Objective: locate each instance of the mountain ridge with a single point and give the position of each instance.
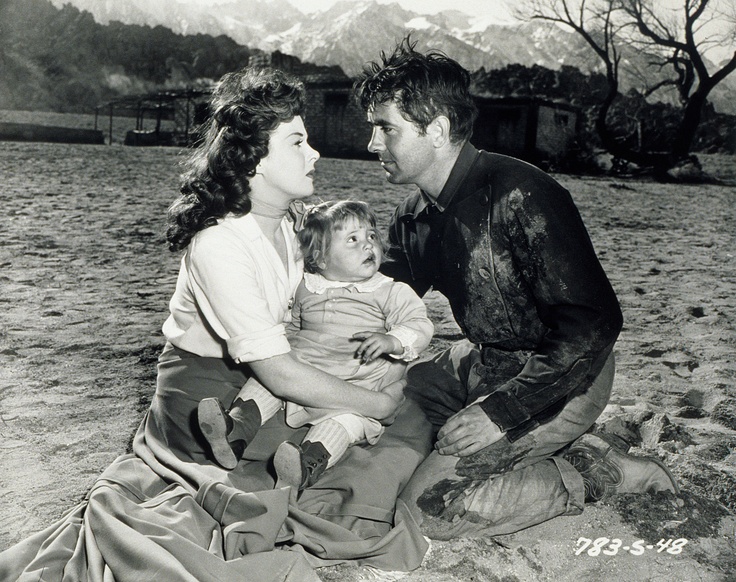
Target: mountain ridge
(353, 32)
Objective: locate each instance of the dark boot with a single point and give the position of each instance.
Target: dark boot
(606, 470)
(299, 467)
(228, 432)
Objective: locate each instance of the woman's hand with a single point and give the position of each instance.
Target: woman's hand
(395, 393)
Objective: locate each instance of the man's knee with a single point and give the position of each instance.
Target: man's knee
(425, 481)
(448, 506)
(440, 385)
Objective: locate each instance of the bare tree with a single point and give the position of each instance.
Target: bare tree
(674, 42)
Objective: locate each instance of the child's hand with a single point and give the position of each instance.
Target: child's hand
(375, 344)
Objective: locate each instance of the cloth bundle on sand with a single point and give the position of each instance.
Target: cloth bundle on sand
(162, 514)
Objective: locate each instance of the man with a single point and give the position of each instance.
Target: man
(504, 242)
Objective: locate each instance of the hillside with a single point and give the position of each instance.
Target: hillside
(352, 32)
(63, 60)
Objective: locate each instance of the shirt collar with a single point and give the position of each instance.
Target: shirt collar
(459, 172)
(316, 283)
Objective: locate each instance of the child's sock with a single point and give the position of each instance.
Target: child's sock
(333, 437)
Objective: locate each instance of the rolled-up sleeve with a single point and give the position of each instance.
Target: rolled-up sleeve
(259, 346)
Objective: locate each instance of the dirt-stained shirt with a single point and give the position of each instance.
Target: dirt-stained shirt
(233, 292)
(506, 245)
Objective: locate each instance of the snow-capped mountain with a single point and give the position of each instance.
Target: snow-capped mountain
(348, 34)
(245, 21)
(353, 32)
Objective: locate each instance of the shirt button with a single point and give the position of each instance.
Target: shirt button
(485, 273)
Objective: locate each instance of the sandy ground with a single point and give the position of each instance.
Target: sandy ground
(86, 278)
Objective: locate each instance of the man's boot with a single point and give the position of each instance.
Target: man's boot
(228, 432)
(300, 466)
(607, 470)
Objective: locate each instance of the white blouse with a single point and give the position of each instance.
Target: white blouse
(233, 293)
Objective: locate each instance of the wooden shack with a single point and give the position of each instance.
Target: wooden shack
(337, 127)
(534, 130)
(166, 118)
(541, 132)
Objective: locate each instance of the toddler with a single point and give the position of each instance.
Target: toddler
(348, 320)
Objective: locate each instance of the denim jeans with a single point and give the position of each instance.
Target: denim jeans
(507, 486)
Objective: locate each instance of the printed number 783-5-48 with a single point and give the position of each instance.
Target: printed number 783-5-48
(611, 547)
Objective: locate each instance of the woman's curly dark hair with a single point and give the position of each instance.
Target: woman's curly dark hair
(245, 106)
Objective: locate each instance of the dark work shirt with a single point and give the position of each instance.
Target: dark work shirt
(506, 245)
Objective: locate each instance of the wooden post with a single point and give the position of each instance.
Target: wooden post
(110, 123)
(186, 125)
(158, 115)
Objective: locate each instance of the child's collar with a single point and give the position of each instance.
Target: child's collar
(316, 283)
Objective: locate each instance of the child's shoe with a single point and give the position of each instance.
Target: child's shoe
(300, 466)
(228, 434)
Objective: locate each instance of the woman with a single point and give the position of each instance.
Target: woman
(242, 265)
(167, 512)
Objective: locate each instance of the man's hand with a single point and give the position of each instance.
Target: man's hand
(395, 392)
(467, 432)
(376, 344)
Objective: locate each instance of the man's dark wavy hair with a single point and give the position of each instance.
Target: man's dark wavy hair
(245, 106)
(423, 86)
